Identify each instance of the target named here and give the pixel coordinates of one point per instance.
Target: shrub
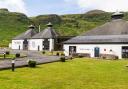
(62, 59)
(109, 56)
(17, 55)
(43, 52)
(75, 55)
(104, 57)
(57, 54)
(80, 55)
(116, 58)
(32, 63)
(70, 57)
(62, 54)
(7, 52)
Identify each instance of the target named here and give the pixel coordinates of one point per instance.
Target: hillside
(73, 24)
(13, 23)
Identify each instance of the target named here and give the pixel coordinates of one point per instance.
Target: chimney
(39, 28)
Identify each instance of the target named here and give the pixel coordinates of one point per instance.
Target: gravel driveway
(21, 62)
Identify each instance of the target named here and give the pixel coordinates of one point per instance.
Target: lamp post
(4, 55)
(13, 65)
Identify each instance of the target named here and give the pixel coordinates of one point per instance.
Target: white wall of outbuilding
(16, 44)
(35, 43)
(116, 49)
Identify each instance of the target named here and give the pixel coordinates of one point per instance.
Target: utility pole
(39, 28)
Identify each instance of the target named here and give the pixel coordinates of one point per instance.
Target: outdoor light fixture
(4, 54)
(13, 65)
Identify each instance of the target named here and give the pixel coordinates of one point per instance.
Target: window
(110, 50)
(33, 44)
(17, 42)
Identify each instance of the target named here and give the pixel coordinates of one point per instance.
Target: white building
(44, 40)
(21, 41)
(110, 39)
(47, 39)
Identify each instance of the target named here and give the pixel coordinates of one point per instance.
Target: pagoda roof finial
(117, 15)
(31, 26)
(49, 24)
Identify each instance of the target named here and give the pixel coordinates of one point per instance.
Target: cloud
(106, 5)
(14, 5)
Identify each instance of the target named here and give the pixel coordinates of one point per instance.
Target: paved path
(21, 62)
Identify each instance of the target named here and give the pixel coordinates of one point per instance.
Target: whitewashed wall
(89, 48)
(51, 45)
(17, 43)
(10, 45)
(34, 43)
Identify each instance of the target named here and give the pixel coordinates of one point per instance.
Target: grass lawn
(10, 56)
(73, 74)
(48, 53)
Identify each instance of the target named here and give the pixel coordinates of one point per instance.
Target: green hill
(13, 23)
(74, 24)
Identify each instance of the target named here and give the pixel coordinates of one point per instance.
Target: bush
(57, 54)
(17, 55)
(80, 56)
(43, 52)
(32, 63)
(62, 54)
(70, 57)
(116, 58)
(109, 56)
(7, 52)
(62, 59)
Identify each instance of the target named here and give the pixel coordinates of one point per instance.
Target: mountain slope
(74, 24)
(11, 24)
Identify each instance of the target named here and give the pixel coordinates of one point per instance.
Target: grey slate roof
(46, 33)
(28, 34)
(99, 39)
(115, 31)
(117, 13)
(115, 27)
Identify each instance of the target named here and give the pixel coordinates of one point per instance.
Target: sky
(39, 7)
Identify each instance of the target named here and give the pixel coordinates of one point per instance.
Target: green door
(97, 51)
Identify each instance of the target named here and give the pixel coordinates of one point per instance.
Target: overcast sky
(37, 7)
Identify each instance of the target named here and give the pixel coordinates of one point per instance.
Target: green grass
(10, 56)
(53, 53)
(73, 74)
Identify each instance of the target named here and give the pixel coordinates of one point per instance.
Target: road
(21, 62)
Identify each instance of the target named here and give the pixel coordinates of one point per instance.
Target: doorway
(97, 52)
(72, 50)
(125, 52)
(38, 48)
(25, 44)
(46, 44)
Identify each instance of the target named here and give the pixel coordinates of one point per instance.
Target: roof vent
(31, 26)
(49, 24)
(117, 15)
